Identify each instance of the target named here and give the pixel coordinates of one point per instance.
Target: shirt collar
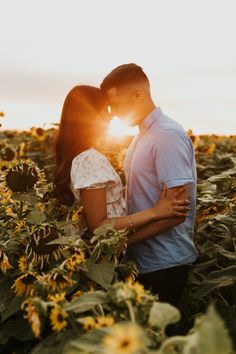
(150, 119)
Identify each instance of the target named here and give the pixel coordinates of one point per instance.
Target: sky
(186, 47)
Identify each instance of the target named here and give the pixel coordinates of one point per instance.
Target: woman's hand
(169, 206)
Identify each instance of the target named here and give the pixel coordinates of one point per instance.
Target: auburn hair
(77, 131)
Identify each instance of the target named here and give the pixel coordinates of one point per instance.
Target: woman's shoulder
(91, 168)
(89, 154)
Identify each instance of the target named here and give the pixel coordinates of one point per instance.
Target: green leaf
(26, 197)
(13, 307)
(87, 343)
(68, 240)
(12, 246)
(54, 343)
(211, 337)
(36, 217)
(163, 314)
(217, 279)
(17, 328)
(102, 273)
(173, 345)
(6, 294)
(86, 302)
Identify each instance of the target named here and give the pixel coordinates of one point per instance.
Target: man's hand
(171, 204)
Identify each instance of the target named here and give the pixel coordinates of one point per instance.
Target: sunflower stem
(131, 311)
(21, 210)
(101, 309)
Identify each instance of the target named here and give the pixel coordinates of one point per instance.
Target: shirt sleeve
(92, 170)
(174, 158)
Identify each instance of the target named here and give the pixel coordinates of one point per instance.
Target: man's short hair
(124, 75)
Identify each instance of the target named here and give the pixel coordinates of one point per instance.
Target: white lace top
(90, 170)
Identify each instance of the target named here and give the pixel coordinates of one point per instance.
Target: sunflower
(58, 318)
(38, 133)
(76, 258)
(5, 194)
(104, 321)
(121, 292)
(3, 166)
(88, 322)
(32, 315)
(38, 251)
(21, 176)
(211, 212)
(57, 280)
(124, 339)
(195, 138)
(19, 225)
(23, 264)
(57, 297)
(76, 294)
(4, 262)
(8, 153)
(24, 285)
(40, 206)
(76, 214)
(10, 212)
(137, 288)
(21, 149)
(139, 291)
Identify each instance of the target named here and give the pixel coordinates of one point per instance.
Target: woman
(85, 175)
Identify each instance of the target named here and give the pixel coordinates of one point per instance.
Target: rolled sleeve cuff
(178, 182)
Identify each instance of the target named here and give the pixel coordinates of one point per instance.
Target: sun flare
(118, 128)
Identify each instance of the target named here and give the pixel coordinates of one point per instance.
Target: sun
(118, 128)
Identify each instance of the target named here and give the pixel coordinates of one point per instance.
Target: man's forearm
(153, 229)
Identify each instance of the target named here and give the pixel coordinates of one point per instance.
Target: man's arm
(158, 227)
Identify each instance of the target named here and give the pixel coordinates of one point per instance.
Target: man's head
(128, 90)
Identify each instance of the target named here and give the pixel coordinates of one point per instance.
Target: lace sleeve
(91, 170)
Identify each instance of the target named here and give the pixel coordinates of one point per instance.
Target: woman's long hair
(79, 127)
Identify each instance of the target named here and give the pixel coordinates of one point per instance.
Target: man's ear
(138, 93)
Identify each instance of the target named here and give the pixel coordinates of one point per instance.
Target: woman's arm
(152, 230)
(158, 227)
(94, 203)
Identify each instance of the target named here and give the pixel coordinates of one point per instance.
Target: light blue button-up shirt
(162, 154)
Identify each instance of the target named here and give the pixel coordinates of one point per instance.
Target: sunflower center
(60, 318)
(3, 168)
(8, 154)
(125, 343)
(39, 131)
(29, 279)
(40, 239)
(21, 178)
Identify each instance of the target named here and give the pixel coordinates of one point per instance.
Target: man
(161, 155)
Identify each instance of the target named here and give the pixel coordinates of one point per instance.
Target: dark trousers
(168, 284)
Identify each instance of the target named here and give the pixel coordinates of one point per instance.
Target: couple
(160, 171)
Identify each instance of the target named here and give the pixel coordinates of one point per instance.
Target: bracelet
(131, 226)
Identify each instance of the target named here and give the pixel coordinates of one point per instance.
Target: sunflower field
(61, 294)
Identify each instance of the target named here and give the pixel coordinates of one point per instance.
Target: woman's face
(102, 120)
